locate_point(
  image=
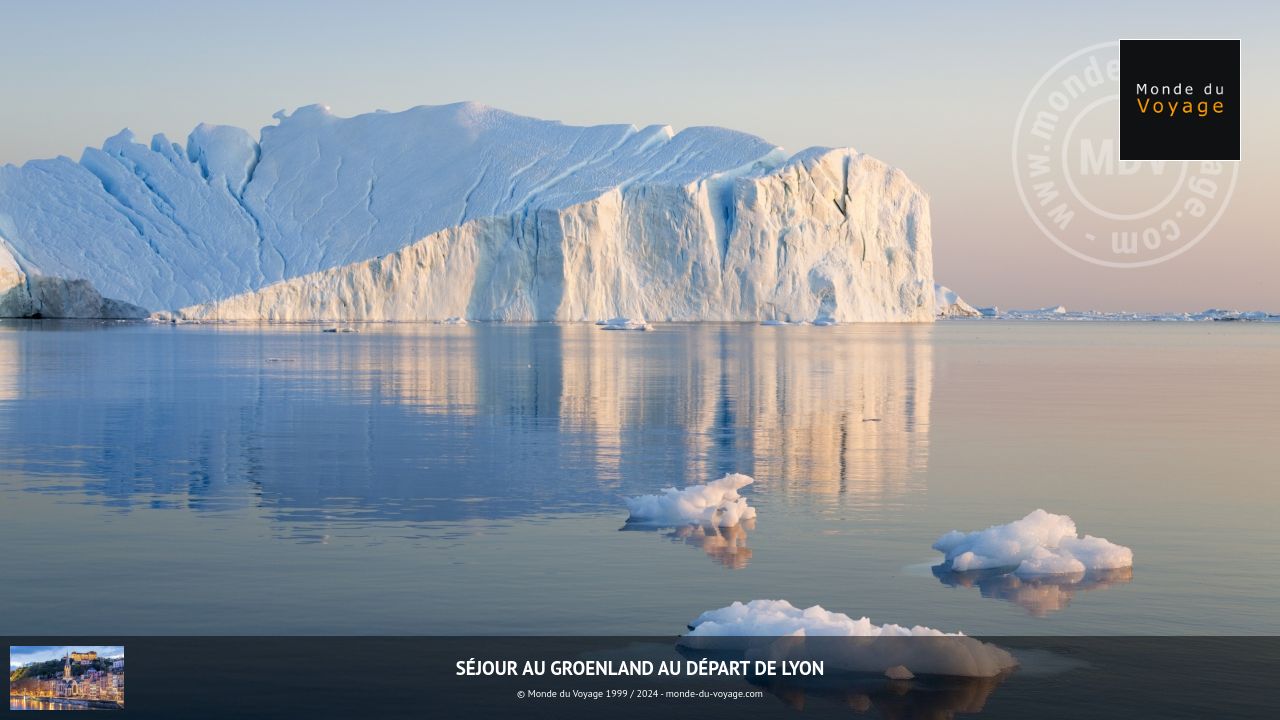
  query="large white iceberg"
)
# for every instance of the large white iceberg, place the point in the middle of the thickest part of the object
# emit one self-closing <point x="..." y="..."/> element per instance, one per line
<point x="776" y="629"/>
<point x="1041" y="543"/>
<point x="471" y="212"/>
<point x="714" y="504"/>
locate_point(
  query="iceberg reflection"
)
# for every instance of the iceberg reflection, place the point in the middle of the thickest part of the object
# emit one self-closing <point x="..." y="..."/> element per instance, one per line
<point x="931" y="698"/>
<point x="410" y="424"/>
<point x="725" y="545"/>
<point x="1041" y="595"/>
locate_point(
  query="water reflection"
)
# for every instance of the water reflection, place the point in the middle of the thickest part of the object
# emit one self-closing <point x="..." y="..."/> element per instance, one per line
<point x="725" y="545"/>
<point x="1039" y="596"/>
<point x="926" y="698"/>
<point x="325" y="433"/>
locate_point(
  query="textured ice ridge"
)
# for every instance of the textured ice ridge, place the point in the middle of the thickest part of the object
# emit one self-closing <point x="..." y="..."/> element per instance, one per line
<point x="471" y="212"/>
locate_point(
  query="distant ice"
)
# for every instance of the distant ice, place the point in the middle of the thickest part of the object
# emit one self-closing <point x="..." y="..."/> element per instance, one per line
<point x="454" y="321"/>
<point x="1060" y="313"/>
<point x="715" y="504"/>
<point x="1041" y="543"/>
<point x="776" y="629"/>
<point x="623" y="323"/>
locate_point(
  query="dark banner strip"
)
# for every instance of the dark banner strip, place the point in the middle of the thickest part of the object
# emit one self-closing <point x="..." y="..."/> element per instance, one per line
<point x="616" y="677"/>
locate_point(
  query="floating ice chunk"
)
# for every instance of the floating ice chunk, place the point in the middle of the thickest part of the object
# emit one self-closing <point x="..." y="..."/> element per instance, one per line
<point x="715" y="504"/>
<point x="776" y="629"/>
<point x="824" y="322"/>
<point x="622" y="323"/>
<point x="339" y="330"/>
<point x="454" y="321"/>
<point x="899" y="672"/>
<point x="776" y="618"/>
<point x="1041" y="543"/>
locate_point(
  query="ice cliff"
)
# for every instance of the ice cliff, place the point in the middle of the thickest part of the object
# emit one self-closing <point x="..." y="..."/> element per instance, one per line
<point x="470" y="212"/>
<point x="26" y="295"/>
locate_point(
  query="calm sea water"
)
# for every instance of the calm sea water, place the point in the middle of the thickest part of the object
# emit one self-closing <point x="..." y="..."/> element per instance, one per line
<point x="457" y="480"/>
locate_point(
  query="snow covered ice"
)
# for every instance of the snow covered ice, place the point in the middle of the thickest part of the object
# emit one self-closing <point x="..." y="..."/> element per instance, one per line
<point x="714" y="504"/>
<point x="951" y="305"/>
<point x="776" y="629"/>
<point x="622" y="323"/>
<point x="29" y="294"/>
<point x="471" y="212"/>
<point x="1041" y="543"/>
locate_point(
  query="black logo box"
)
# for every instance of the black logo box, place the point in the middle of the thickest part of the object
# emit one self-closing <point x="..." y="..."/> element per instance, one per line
<point x="1187" y="68"/>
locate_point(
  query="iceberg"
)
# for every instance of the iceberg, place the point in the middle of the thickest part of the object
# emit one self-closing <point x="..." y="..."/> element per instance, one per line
<point x="1041" y="543"/>
<point x="471" y="212"/>
<point x="776" y="629"/>
<point x="951" y="305"/>
<point x="714" y="504"/>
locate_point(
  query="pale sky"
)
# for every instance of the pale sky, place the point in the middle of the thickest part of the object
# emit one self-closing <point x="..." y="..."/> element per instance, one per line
<point x="932" y="88"/>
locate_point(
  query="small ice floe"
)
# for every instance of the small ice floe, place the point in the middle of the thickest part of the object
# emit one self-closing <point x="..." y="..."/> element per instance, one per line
<point x="714" y="504"/>
<point x="824" y="322"/>
<point x="340" y="329"/>
<point x="899" y="672"/>
<point x="623" y="323"/>
<point x="1041" y="543"/>
<point x="453" y="321"/>
<point x="778" y="630"/>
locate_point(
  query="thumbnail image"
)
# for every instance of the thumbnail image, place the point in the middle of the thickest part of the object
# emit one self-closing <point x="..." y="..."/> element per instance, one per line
<point x="66" y="677"/>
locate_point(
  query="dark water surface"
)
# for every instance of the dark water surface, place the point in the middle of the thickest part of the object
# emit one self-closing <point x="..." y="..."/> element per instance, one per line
<point x="468" y="480"/>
